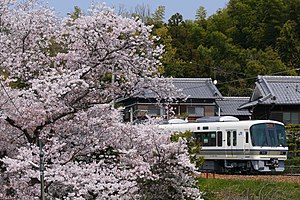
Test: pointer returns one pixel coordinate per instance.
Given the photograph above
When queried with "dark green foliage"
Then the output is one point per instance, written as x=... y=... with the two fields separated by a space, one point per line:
x=175 y=70
x=292 y=164
x=294 y=161
x=293 y=139
x=158 y=17
x=245 y=39
x=194 y=146
x=4 y=73
x=18 y=84
x=55 y=48
x=288 y=44
x=76 y=13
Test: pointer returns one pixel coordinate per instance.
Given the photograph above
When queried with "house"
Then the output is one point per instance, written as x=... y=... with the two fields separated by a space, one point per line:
x=277 y=98
x=228 y=106
x=201 y=101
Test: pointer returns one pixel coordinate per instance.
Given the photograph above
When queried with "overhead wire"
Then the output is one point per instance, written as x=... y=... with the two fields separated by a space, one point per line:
x=244 y=79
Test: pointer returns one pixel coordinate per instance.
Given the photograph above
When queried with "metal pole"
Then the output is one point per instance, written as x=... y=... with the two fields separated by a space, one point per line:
x=42 y=170
x=131 y=114
x=113 y=83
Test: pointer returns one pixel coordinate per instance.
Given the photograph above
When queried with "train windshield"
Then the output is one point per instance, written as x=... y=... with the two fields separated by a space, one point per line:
x=268 y=134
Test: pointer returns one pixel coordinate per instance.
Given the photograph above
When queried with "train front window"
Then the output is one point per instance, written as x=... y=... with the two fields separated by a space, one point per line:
x=281 y=135
x=268 y=134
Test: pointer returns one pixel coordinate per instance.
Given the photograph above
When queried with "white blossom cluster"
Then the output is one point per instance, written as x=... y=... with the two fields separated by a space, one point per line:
x=56 y=88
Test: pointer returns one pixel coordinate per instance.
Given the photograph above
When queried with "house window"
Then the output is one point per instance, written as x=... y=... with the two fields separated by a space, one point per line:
x=195 y=111
x=276 y=116
x=153 y=111
x=291 y=117
x=294 y=118
x=286 y=117
x=191 y=110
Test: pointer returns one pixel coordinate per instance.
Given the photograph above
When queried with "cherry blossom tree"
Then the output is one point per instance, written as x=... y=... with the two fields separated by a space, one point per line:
x=56 y=91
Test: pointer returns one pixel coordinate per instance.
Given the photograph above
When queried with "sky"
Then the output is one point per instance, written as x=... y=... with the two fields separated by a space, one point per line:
x=187 y=8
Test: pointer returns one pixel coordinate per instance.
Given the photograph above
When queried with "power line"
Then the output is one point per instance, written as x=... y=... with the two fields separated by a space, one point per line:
x=243 y=79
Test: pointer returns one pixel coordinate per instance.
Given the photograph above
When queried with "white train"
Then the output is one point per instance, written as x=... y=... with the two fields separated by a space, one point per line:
x=230 y=145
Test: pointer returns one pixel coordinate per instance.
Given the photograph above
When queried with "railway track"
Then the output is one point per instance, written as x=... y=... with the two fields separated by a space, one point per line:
x=290 y=178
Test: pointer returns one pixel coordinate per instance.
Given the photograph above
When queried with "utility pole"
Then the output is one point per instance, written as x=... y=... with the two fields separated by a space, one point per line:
x=42 y=170
x=113 y=84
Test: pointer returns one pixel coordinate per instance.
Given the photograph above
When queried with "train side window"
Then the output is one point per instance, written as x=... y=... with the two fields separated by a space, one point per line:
x=207 y=138
x=234 y=138
x=228 y=138
x=247 y=137
x=219 y=135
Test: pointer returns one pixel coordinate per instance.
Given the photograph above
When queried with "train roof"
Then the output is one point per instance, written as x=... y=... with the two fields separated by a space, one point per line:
x=194 y=126
x=218 y=119
x=224 y=122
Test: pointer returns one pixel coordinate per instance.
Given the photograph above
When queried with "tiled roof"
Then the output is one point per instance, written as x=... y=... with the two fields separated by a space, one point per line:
x=197 y=88
x=230 y=105
x=280 y=90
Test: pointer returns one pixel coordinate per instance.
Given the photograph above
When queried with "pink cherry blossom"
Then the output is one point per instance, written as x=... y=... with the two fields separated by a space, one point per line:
x=56 y=88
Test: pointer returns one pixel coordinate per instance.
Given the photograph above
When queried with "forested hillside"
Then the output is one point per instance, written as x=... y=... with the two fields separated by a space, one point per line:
x=233 y=46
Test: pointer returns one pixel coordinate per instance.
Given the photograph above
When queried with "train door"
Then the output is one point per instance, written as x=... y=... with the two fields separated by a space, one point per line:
x=231 y=143
x=247 y=144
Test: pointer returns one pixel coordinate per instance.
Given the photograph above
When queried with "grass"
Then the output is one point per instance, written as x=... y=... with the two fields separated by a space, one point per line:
x=218 y=189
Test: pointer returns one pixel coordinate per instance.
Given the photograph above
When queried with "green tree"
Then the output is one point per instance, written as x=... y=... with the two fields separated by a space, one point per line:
x=293 y=139
x=245 y=39
x=169 y=56
x=200 y=17
x=76 y=13
x=157 y=18
x=175 y=20
x=194 y=146
x=266 y=63
x=257 y=23
x=220 y=21
x=288 y=44
x=178 y=31
x=201 y=13
x=243 y=18
x=292 y=10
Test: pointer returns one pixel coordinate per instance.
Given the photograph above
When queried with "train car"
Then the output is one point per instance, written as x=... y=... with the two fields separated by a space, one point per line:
x=230 y=145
